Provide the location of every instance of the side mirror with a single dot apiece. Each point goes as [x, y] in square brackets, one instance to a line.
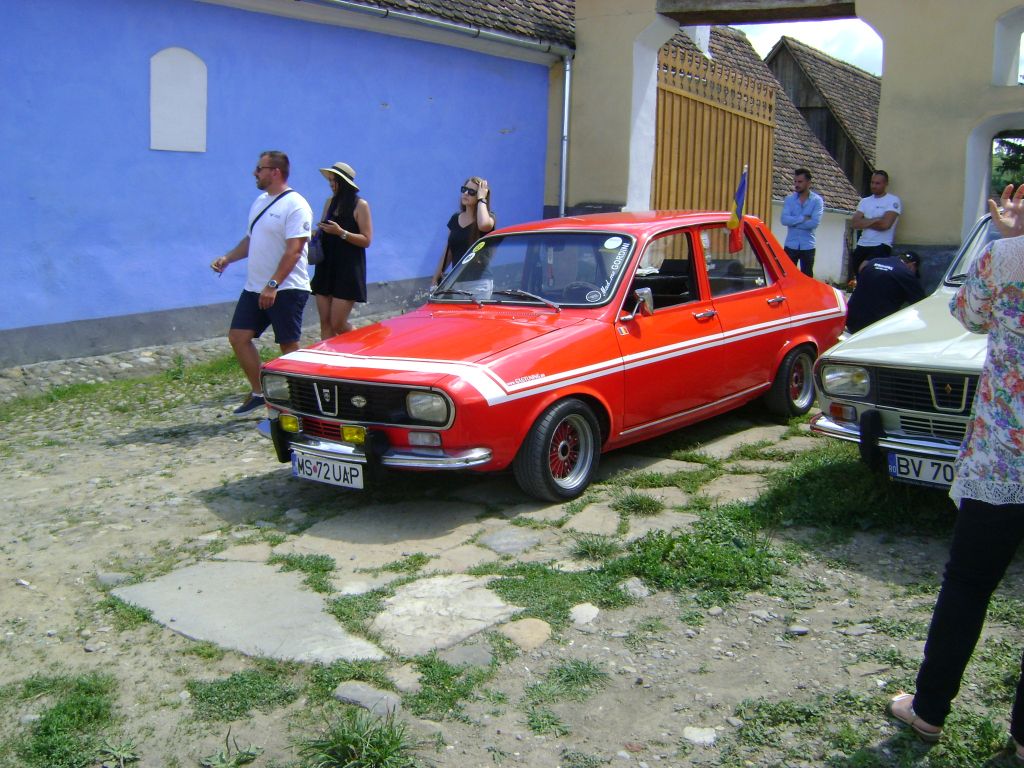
[644, 304]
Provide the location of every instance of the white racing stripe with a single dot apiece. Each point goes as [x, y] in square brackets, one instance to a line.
[496, 390]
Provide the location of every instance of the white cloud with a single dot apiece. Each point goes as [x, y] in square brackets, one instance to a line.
[850, 40]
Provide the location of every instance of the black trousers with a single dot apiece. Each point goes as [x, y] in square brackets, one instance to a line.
[864, 253]
[803, 258]
[985, 539]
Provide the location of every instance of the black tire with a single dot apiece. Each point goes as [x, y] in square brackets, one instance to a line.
[792, 392]
[561, 451]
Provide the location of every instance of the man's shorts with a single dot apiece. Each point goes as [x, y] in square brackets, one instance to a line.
[285, 314]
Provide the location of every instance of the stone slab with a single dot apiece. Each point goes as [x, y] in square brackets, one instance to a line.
[438, 612]
[373, 536]
[723, 447]
[617, 461]
[251, 608]
[728, 489]
[595, 518]
[527, 634]
[666, 521]
[246, 553]
[510, 540]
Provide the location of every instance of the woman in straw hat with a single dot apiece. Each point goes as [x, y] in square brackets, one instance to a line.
[345, 233]
[475, 218]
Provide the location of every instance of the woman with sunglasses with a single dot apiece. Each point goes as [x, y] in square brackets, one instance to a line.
[345, 233]
[475, 218]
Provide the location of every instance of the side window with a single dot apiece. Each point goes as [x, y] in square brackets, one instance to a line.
[667, 269]
[728, 271]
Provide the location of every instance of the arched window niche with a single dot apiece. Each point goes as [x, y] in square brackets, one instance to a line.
[177, 101]
[1006, 58]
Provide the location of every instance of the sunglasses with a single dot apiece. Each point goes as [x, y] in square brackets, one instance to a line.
[468, 191]
[264, 168]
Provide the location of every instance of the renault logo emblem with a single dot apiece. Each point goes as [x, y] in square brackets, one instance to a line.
[948, 390]
[327, 398]
[358, 401]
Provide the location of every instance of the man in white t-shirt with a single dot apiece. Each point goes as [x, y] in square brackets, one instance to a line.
[277, 285]
[875, 217]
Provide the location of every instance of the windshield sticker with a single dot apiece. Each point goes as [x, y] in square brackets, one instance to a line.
[593, 296]
[615, 266]
[478, 246]
[612, 243]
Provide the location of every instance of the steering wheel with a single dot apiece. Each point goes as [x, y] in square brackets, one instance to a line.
[578, 288]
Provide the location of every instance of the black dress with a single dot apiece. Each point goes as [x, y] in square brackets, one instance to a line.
[342, 273]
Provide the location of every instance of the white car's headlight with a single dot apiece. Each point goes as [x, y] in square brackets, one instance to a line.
[427, 406]
[275, 388]
[849, 380]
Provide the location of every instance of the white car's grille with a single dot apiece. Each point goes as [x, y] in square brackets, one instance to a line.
[922, 391]
[924, 426]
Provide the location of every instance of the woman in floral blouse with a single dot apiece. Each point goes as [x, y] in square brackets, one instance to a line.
[989, 484]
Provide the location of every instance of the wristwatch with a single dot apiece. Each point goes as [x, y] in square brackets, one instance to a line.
[272, 283]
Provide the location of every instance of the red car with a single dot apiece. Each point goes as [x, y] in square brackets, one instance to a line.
[552, 342]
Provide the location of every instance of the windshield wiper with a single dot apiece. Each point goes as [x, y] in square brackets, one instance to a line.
[457, 292]
[527, 295]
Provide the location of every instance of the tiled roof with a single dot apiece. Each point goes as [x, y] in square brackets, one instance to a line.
[552, 21]
[852, 94]
[796, 146]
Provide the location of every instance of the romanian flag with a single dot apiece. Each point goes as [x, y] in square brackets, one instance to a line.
[736, 215]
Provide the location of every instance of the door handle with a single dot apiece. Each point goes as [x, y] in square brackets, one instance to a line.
[776, 300]
[704, 315]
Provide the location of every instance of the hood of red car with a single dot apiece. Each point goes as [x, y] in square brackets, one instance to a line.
[414, 348]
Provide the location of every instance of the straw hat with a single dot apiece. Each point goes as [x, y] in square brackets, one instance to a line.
[343, 171]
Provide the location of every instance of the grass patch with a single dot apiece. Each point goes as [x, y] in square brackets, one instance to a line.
[411, 564]
[723, 557]
[357, 739]
[317, 568]
[831, 489]
[638, 504]
[543, 720]
[549, 595]
[594, 546]
[445, 687]
[323, 679]
[901, 629]
[205, 650]
[355, 611]
[69, 731]
[236, 696]
[123, 615]
[640, 636]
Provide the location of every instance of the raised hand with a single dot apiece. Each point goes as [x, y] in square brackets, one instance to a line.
[1008, 213]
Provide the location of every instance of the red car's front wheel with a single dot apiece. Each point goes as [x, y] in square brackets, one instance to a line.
[560, 454]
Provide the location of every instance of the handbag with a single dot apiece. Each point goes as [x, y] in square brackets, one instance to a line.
[315, 254]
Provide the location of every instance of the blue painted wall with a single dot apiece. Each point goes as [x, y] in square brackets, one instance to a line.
[97, 225]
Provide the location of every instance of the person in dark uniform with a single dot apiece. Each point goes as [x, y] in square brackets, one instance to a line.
[883, 286]
[346, 230]
[475, 218]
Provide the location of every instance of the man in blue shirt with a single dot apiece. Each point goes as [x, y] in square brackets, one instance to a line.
[801, 213]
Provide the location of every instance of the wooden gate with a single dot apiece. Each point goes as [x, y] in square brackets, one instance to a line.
[711, 122]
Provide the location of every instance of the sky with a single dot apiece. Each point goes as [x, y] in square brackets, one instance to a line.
[849, 40]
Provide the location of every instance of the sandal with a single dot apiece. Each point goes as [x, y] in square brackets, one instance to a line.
[926, 732]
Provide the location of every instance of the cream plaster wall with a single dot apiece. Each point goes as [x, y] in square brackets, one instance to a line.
[611, 105]
[939, 108]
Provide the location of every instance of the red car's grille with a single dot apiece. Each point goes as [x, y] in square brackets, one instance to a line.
[352, 402]
[319, 428]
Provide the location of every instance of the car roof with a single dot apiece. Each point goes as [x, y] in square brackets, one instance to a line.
[635, 223]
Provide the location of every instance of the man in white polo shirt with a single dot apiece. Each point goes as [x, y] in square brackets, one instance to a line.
[277, 285]
[875, 217]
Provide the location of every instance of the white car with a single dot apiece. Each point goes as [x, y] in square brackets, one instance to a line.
[903, 387]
